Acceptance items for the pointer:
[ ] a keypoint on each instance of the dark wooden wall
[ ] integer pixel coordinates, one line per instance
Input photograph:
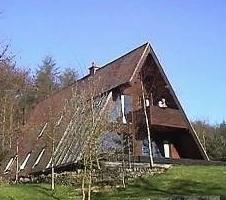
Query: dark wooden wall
(166, 124)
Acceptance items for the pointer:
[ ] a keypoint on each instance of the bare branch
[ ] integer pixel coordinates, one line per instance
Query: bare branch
(3, 53)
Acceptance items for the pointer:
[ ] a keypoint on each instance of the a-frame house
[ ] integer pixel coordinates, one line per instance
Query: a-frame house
(134, 84)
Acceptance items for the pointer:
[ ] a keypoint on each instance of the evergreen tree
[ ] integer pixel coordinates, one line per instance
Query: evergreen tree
(46, 78)
(222, 129)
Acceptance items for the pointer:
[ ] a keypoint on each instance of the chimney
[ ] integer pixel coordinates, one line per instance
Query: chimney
(93, 69)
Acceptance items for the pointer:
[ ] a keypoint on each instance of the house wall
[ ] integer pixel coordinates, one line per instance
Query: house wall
(175, 130)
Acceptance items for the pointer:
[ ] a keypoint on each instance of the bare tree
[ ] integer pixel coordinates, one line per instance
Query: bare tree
(85, 123)
(68, 77)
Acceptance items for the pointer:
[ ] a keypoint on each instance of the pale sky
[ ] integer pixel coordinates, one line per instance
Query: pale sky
(188, 37)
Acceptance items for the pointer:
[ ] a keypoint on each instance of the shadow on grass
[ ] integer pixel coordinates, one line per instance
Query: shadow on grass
(144, 188)
(47, 192)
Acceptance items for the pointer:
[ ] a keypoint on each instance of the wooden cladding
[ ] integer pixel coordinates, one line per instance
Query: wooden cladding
(167, 117)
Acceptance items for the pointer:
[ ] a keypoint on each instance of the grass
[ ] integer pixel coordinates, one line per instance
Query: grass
(177, 181)
(36, 192)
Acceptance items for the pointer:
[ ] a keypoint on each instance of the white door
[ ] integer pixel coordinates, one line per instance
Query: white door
(166, 149)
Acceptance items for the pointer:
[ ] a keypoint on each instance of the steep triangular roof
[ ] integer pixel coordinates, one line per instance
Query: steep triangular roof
(149, 50)
(107, 77)
(111, 75)
(114, 74)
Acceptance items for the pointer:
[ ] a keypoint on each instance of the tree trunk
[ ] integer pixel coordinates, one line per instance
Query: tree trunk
(83, 180)
(123, 165)
(52, 167)
(4, 125)
(148, 126)
(17, 159)
(90, 184)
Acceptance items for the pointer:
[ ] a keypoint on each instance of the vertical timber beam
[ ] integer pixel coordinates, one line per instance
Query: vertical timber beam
(147, 123)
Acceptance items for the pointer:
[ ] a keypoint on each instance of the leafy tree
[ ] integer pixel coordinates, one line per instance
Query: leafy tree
(216, 147)
(213, 138)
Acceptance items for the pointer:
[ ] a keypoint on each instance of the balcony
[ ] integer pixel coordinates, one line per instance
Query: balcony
(166, 117)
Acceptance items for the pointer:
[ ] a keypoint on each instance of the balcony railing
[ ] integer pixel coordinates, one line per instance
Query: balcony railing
(166, 117)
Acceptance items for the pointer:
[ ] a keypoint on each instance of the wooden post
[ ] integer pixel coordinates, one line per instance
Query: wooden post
(148, 126)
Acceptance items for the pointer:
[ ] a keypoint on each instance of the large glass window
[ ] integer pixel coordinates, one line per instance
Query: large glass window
(155, 149)
(111, 141)
(145, 148)
(116, 110)
(128, 108)
(122, 108)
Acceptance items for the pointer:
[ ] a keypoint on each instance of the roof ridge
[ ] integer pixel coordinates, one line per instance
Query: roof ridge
(131, 51)
(114, 60)
(87, 76)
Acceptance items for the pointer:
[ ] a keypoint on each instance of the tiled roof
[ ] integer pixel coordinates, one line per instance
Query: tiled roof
(109, 76)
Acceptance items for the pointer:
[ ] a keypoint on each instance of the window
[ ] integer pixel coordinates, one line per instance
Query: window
(122, 108)
(39, 158)
(116, 111)
(127, 106)
(145, 148)
(25, 161)
(128, 103)
(43, 129)
(99, 101)
(111, 141)
(9, 165)
(59, 121)
(49, 163)
(155, 149)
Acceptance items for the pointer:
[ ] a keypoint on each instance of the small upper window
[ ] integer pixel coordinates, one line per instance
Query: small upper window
(49, 163)
(9, 165)
(43, 129)
(59, 121)
(25, 161)
(39, 158)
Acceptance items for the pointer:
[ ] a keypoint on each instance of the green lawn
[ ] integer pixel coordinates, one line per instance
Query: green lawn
(180, 180)
(36, 192)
